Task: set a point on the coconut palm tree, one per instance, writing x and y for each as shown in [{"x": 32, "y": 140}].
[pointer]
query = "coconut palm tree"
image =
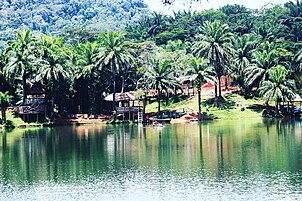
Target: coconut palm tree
[
  {"x": 51, "y": 64},
  {"x": 5, "y": 100},
  {"x": 215, "y": 44},
  {"x": 115, "y": 52},
  {"x": 200, "y": 71},
  {"x": 20, "y": 53},
  {"x": 160, "y": 75},
  {"x": 277, "y": 87},
  {"x": 86, "y": 74}
]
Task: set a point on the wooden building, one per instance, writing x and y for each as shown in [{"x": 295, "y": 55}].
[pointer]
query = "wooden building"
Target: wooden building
[
  {"x": 35, "y": 106},
  {"x": 127, "y": 105}
]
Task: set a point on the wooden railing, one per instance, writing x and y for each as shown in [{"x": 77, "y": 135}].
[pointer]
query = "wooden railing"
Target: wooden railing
[
  {"x": 31, "y": 109},
  {"x": 127, "y": 109}
]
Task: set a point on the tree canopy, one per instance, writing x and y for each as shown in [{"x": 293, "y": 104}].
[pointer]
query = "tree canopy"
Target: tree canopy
[{"x": 79, "y": 68}]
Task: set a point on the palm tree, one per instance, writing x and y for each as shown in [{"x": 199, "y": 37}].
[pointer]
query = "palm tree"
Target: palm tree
[
  {"x": 157, "y": 23},
  {"x": 87, "y": 73},
  {"x": 201, "y": 72},
  {"x": 20, "y": 53},
  {"x": 51, "y": 67},
  {"x": 214, "y": 43},
  {"x": 159, "y": 75},
  {"x": 277, "y": 87},
  {"x": 295, "y": 66},
  {"x": 114, "y": 53},
  {"x": 5, "y": 100},
  {"x": 244, "y": 47},
  {"x": 267, "y": 56},
  {"x": 294, "y": 11}
]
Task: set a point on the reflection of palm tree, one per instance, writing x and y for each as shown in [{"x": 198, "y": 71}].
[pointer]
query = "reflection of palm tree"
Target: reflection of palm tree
[{"x": 201, "y": 147}]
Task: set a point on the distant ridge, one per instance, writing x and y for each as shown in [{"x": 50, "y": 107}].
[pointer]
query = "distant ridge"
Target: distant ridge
[{"x": 57, "y": 16}]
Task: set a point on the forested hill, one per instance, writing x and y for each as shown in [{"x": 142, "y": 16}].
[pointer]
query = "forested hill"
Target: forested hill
[{"x": 57, "y": 16}]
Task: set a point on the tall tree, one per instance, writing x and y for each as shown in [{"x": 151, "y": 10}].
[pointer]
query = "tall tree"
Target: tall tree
[
  {"x": 114, "y": 53},
  {"x": 159, "y": 75},
  {"x": 268, "y": 55},
  {"x": 86, "y": 75},
  {"x": 244, "y": 47},
  {"x": 215, "y": 44},
  {"x": 200, "y": 71},
  {"x": 52, "y": 65},
  {"x": 5, "y": 100},
  {"x": 20, "y": 52},
  {"x": 277, "y": 87}
]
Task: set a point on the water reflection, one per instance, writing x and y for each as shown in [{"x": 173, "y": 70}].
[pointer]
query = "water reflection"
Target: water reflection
[{"x": 219, "y": 152}]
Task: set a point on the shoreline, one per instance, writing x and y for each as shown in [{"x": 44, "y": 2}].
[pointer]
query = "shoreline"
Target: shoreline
[{"x": 81, "y": 123}]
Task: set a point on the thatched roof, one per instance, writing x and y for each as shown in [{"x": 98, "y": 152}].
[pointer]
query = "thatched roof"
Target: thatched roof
[{"x": 126, "y": 96}]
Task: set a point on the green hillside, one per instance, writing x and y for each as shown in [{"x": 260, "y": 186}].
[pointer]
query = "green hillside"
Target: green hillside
[{"x": 58, "y": 16}]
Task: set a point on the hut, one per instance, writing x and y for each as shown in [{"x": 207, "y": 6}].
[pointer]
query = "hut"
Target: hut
[
  {"x": 127, "y": 104},
  {"x": 293, "y": 107},
  {"x": 34, "y": 108}
]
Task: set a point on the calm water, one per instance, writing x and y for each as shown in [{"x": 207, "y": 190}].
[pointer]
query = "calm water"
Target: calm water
[{"x": 224, "y": 160}]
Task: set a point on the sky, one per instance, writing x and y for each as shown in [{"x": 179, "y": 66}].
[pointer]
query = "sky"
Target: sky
[{"x": 156, "y": 5}]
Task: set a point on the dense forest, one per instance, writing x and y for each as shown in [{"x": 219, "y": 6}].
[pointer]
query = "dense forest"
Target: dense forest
[
  {"x": 59, "y": 16},
  {"x": 260, "y": 50}
]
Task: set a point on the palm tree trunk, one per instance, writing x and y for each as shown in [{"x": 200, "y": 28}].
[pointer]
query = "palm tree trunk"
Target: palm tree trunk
[
  {"x": 113, "y": 85},
  {"x": 123, "y": 84},
  {"x": 24, "y": 87},
  {"x": 193, "y": 88},
  {"x": 175, "y": 94},
  {"x": 3, "y": 113},
  {"x": 52, "y": 103},
  {"x": 199, "y": 103},
  {"x": 219, "y": 85},
  {"x": 226, "y": 82},
  {"x": 277, "y": 109},
  {"x": 158, "y": 100}
]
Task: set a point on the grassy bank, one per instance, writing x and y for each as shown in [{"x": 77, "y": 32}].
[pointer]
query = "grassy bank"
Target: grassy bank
[
  {"x": 14, "y": 121},
  {"x": 234, "y": 106}
]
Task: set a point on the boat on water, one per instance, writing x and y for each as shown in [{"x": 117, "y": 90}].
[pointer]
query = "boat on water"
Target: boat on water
[
  {"x": 193, "y": 121},
  {"x": 155, "y": 124}
]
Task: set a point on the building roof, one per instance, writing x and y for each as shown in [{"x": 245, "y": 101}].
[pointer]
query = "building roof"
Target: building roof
[
  {"x": 297, "y": 99},
  {"x": 126, "y": 96}
]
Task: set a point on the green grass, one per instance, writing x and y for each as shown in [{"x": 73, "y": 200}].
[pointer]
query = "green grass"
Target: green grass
[
  {"x": 233, "y": 106},
  {"x": 15, "y": 121}
]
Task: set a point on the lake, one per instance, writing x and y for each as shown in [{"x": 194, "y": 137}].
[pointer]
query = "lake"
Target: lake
[{"x": 257, "y": 159}]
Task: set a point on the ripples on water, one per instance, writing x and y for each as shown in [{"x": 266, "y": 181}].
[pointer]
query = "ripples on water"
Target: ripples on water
[{"x": 153, "y": 185}]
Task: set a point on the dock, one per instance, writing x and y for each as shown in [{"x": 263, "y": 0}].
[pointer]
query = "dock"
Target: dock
[{"x": 161, "y": 121}]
